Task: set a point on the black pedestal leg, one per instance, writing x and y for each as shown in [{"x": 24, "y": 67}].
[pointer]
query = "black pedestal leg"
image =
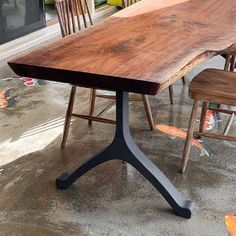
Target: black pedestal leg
[
  {"x": 65, "y": 180},
  {"x": 150, "y": 171},
  {"x": 124, "y": 148}
]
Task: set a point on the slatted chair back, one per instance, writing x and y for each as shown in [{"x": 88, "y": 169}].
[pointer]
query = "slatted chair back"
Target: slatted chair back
[
  {"x": 127, "y": 3},
  {"x": 73, "y": 15}
]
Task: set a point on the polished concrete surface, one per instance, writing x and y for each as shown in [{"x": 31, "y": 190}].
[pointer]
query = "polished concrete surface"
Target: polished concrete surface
[{"x": 113, "y": 199}]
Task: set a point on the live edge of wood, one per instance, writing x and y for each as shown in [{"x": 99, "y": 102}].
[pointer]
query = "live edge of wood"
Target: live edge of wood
[{"x": 142, "y": 49}]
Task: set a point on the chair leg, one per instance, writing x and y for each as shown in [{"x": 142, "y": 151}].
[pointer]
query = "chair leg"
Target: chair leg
[
  {"x": 124, "y": 3},
  {"x": 232, "y": 63},
  {"x": 183, "y": 80},
  {"x": 68, "y": 116},
  {"x": 171, "y": 94},
  {"x": 203, "y": 116},
  {"x": 148, "y": 111},
  {"x": 228, "y": 125},
  {"x": 189, "y": 138},
  {"x": 92, "y": 104},
  {"x": 227, "y": 62}
]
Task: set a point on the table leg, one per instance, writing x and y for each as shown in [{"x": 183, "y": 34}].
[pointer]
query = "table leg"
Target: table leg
[{"x": 124, "y": 148}]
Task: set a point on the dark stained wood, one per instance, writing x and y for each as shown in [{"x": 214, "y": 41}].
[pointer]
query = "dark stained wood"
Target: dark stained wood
[
  {"x": 222, "y": 110},
  {"x": 229, "y": 123},
  {"x": 92, "y": 102},
  {"x": 230, "y": 58},
  {"x": 143, "y": 98},
  {"x": 217, "y": 136},
  {"x": 232, "y": 63},
  {"x": 171, "y": 94},
  {"x": 227, "y": 62},
  {"x": 68, "y": 116},
  {"x": 73, "y": 16},
  {"x": 203, "y": 116},
  {"x": 69, "y": 14},
  {"x": 148, "y": 111},
  {"x": 189, "y": 138},
  {"x": 68, "y": 8},
  {"x": 127, "y": 3},
  {"x": 231, "y": 50},
  {"x": 94, "y": 118},
  {"x": 214, "y": 85},
  {"x": 159, "y": 41}
]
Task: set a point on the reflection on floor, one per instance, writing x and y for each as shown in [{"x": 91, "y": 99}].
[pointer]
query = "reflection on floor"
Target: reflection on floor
[
  {"x": 11, "y": 87},
  {"x": 113, "y": 199}
]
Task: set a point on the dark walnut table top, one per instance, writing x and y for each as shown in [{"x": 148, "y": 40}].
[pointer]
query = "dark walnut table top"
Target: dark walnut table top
[{"x": 142, "y": 49}]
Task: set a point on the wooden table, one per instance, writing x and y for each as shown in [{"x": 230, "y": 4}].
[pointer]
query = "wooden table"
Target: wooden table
[{"x": 142, "y": 49}]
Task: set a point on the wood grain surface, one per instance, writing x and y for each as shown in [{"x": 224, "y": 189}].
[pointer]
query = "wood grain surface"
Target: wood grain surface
[
  {"x": 213, "y": 85},
  {"x": 143, "y": 48}
]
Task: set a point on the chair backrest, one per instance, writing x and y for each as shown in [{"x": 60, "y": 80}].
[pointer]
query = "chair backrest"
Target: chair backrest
[
  {"x": 127, "y": 3},
  {"x": 69, "y": 14}
]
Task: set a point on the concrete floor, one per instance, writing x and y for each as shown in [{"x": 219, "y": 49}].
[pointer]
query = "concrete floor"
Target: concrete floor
[{"x": 113, "y": 199}]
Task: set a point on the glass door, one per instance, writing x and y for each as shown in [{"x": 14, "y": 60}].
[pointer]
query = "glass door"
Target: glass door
[{"x": 19, "y": 17}]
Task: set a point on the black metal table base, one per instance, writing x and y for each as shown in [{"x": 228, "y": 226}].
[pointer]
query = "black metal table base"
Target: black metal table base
[{"x": 124, "y": 148}]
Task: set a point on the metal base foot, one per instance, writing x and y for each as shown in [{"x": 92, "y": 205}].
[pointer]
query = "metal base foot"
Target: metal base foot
[
  {"x": 124, "y": 148},
  {"x": 61, "y": 181}
]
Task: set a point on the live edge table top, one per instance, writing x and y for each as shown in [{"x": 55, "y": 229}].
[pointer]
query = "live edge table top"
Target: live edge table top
[{"x": 143, "y": 48}]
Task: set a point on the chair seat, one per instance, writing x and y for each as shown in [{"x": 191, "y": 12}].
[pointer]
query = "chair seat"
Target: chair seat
[
  {"x": 214, "y": 85},
  {"x": 231, "y": 50}
]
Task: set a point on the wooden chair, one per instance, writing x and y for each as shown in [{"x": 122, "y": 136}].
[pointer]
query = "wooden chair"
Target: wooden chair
[
  {"x": 230, "y": 58},
  {"x": 215, "y": 86},
  {"x": 69, "y": 25},
  {"x": 127, "y": 3}
]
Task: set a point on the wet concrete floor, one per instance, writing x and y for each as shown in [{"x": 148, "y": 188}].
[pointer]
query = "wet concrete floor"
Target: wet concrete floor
[{"x": 113, "y": 199}]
